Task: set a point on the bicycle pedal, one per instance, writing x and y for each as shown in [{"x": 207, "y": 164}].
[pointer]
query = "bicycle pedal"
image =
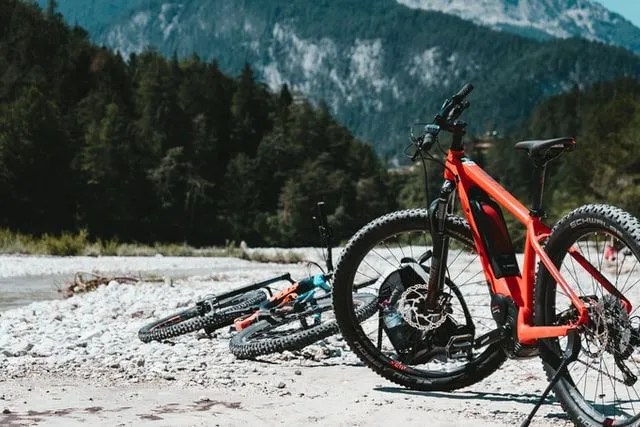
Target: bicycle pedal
[{"x": 460, "y": 346}]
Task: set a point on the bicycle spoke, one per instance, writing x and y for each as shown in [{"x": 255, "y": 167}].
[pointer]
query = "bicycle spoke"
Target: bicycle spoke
[
  {"x": 629, "y": 276},
  {"x": 392, "y": 254},
  {"x": 463, "y": 269},
  {"x": 595, "y": 373}
]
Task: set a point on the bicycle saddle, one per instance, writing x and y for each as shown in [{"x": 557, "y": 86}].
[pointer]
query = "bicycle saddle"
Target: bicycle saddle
[{"x": 542, "y": 151}]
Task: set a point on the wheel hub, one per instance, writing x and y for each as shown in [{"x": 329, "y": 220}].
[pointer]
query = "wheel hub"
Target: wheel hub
[{"x": 610, "y": 328}]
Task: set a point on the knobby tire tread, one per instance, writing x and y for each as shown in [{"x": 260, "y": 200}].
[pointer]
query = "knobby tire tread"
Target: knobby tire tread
[
  {"x": 192, "y": 321},
  {"x": 358, "y": 342},
  {"x": 243, "y": 347},
  {"x": 629, "y": 227}
]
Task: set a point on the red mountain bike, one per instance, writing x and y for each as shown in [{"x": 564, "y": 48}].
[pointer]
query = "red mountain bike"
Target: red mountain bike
[{"x": 455, "y": 300}]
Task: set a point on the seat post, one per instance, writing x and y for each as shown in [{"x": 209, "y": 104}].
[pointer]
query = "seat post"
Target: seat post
[{"x": 538, "y": 187}]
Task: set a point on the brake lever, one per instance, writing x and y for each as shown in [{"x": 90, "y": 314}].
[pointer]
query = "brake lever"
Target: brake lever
[
  {"x": 418, "y": 142},
  {"x": 429, "y": 140},
  {"x": 457, "y": 110},
  {"x": 426, "y": 141},
  {"x": 445, "y": 111}
]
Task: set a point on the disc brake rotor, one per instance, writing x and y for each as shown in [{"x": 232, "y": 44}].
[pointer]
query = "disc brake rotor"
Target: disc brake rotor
[{"x": 412, "y": 306}]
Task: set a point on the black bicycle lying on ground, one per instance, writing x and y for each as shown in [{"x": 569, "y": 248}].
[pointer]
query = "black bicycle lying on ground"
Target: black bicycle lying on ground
[{"x": 267, "y": 322}]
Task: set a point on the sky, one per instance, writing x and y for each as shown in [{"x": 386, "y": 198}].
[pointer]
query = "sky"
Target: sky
[{"x": 630, "y": 9}]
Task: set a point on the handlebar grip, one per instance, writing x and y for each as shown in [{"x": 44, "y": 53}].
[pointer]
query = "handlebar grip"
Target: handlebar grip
[
  {"x": 466, "y": 90},
  {"x": 322, "y": 214}
]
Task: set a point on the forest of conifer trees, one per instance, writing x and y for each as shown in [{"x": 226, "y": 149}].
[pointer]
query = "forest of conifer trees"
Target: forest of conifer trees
[{"x": 155, "y": 149}]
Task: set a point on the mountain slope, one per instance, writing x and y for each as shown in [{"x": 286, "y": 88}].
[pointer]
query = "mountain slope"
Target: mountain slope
[
  {"x": 94, "y": 15},
  {"x": 542, "y": 18},
  {"x": 380, "y": 65}
]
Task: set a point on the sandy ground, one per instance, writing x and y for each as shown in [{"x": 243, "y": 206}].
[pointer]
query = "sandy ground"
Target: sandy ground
[
  {"x": 78, "y": 361},
  {"x": 319, "y": 395}
]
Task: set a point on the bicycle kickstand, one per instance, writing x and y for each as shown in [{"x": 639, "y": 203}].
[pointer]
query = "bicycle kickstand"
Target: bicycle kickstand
[{"x": 570, "y": 355}]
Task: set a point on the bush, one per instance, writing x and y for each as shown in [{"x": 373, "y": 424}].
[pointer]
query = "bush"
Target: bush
[{"x": 65, "y": 245}]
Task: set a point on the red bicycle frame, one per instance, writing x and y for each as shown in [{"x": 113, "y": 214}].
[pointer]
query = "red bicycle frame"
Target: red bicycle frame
[{"x": 468, "y": 175}]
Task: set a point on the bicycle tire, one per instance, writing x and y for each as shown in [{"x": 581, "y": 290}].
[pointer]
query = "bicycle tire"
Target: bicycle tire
[
  {"x": 393, "y": 224},
  {"x": 570, "y": 231},
  {"x": 246, "y": 344},
  {"x": 191, "y": 320}
]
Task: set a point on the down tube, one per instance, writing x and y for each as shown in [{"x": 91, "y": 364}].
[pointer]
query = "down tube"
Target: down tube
[
  {"x": 519, "y": 288},
  {"x": 473, "y": 173}
]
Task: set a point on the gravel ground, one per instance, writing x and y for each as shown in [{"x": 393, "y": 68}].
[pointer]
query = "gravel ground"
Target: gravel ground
[
  {"x": 21, "y": 265},
  {"x": 78, "y": 360}
]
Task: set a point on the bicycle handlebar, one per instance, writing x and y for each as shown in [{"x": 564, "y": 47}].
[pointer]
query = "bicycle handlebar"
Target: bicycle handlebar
[
  {"x": 453, "y": 107},
  {"x": 446, "y": 119},
  {"x": 464, "y": 92}
]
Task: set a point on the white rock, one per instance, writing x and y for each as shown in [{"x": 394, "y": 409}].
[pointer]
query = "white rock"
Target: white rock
[{"x": 90, "y": 335}]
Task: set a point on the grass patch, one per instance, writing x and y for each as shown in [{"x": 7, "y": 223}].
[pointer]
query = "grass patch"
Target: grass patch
[
  {"x": 66, "y": 244},
  {"x": 69, "y": 244},
  {"x": 15, "y": 243}
]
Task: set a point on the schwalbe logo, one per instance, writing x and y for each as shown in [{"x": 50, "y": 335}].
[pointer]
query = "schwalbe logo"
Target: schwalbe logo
[
  {"x": 578, "y": 222},
  {"x": 593, "y": 221}
]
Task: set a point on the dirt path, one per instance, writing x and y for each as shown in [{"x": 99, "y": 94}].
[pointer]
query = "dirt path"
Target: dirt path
[{"x": 320, "y": 395}]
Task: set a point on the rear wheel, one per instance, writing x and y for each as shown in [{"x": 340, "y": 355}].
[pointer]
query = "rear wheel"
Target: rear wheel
[
  {"x": 600, "y": 388},
  {"x": 415, "y": 356},
  {"x": 192, "y": 319},
  {"x": 297, "y": 329}
]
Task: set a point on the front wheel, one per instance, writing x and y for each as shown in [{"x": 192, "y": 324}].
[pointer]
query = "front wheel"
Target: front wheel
[
  {"x": 296, "y": 329},
  {"x": 600, "y": 388},
  {"x": 415, "y": 352},
  {"x": 193, "y": 319}
]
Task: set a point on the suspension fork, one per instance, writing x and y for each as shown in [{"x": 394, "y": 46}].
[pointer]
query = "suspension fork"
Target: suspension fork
[{"x": 438, "y": 212}]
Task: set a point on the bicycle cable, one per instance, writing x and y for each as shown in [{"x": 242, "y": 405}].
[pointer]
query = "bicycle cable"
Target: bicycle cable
[
  {"x": 426, "y": 177},
  {"x": 433, "y": 159}
]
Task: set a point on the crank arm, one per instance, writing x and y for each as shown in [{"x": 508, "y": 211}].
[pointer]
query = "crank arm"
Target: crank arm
[{"x": 491, "y": 337}]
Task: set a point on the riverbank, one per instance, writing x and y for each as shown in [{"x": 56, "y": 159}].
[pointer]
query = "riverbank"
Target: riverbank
[
  {"x": 78, "y": 244},
  {"x": 78, "y": 360}
]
